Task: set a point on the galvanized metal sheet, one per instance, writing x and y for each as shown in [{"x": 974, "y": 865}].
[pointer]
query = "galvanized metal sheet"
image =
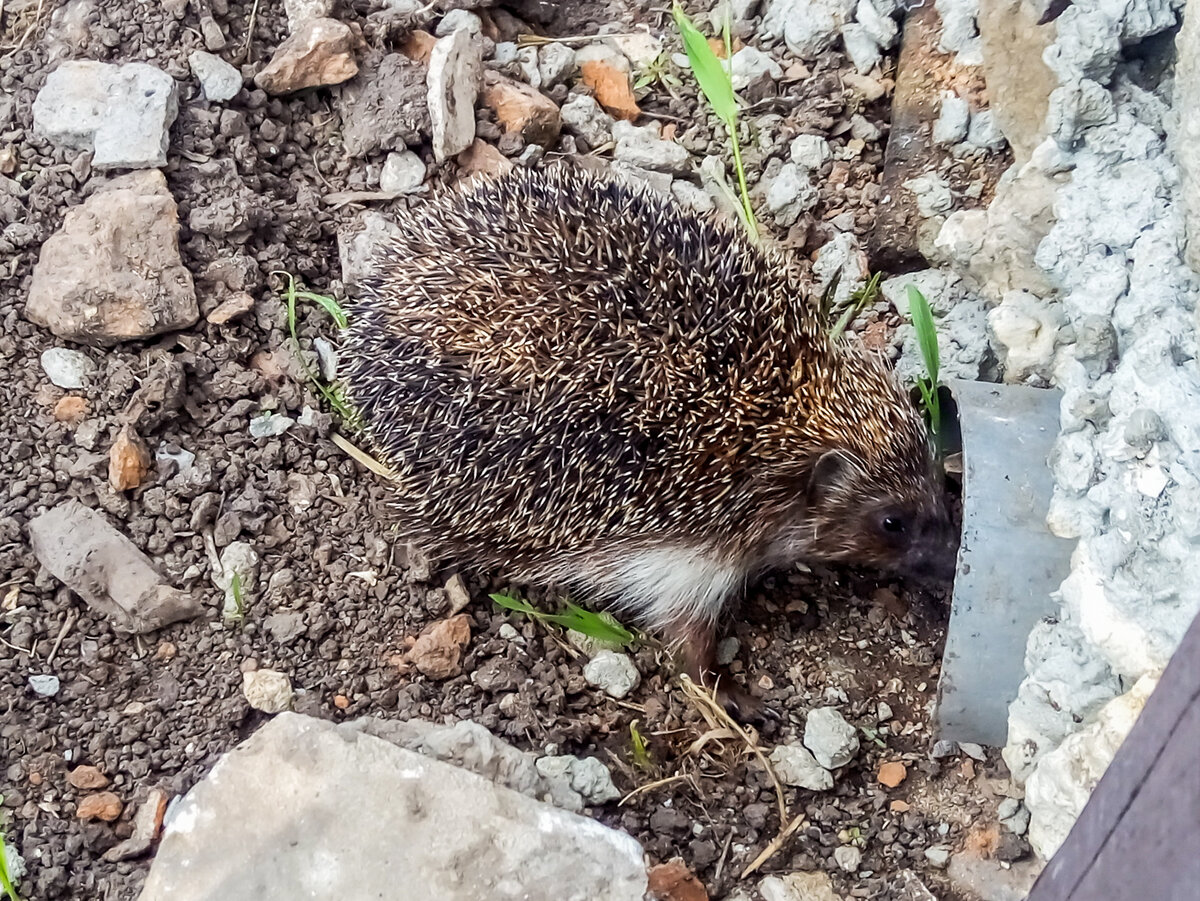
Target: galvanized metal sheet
[{"x": 1009, "y": 563}]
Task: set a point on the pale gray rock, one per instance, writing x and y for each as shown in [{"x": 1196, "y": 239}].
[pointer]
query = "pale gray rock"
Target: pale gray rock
[
  {"x": 81, "y": 549},
  {"x": 301, "y": 11},
  {"x": 795, "y": 765},
  {"x": 455, "y": 72},
  {"x": 556, "y": 63},
  {"x": 267, "y": 690},
  {"x": 641, "y": 147},
  {"x": 45, "y": 686},
  {"x": 984, "y": 132},
  {"x": 357, "y": 243},
  {"x": 808, "y": 27},
  {"x": 790, "y": 193},
  {"x": 123, "y": 114},
  {"x": 864, "y": 53},
  {"x": 219, "y": 80},
  {"x": 832, "y": 740},
  {"x": 586, "y": 775},
  {"x": 809, "y": 152},
  {"x": 456, "y": 19},
  {"x": 584, "y": 116},
  {"x": 691, "y": 196},
  {"x": 750, "y": 65},
  {"x": 802, "y": 886},
  {"x": 847, "y": 857},
  {"x": 67, "y": 368},
  {"x": 331, "y": 802},
  {"x": 954, "y": 118},
  {"x": 612, "y": 673}
]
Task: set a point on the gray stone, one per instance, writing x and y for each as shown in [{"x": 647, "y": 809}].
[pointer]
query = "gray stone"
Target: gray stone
[
  {"x": 1185, "y": 133},
  {"x": 1018, "y": 81},
  {"x": 832, "y": 740},
  {"x": 556, "y": 62},
  {"x": 612, "y": 673},
  {"x": 878, "y": 24},
  {"x": 727, "y": 650},
  {"x": 795, "y": 765},
  {"x": 809, "y": 152},
  {"x": 984, "y": 132},
  {"x": 808, "y": 27},
  {"x": 847, "y": 857},
  {"x": 284, "y": 627},
  {"x": 301, "y": 11},
  {"x": 267, "y": 690},
  {"x": 385, "y": 107},
  {"x": 219, "y": 80},
  {"x": 238, "y": 559},
  {"x": 112, "y": 272},
  {"x": 67, "y": 368},
  {"x": 790, "y": 193},
  {"x": 270, "y": 425},
  {"x": 79, "y": 547},
  {"x": 864, "y": 53},
  {"x": 863, "y": 129},
  {"x": 586, "y": 775},
  {"x": 584, "y": 116},
  {"x": 691, "y": 196},
  {"x": 456, "y": 19},
  {"x": 953, "y": 120},
  {"x": 641, "y": 147},
  {"x": 44, "y": 686},
  {"x": 123, "y": 114},
  {"x": 750, "y": 65},
  {"x": 469, "y": 745},
  {"x": 455, "y": 71},
  {"x": 639, "y": 177},
  {"x": 938, "y": 856},
  {"x": 445, "y": 833}
]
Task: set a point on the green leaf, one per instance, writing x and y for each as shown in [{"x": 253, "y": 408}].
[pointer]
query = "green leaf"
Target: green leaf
[
  {"x": 710, "y": 74},
  {"x": 641, "y": 753},
  {"x": 602, "y": 627},
  {"x": 517, "y": 604},
  {"x": 922, "y": 318}
]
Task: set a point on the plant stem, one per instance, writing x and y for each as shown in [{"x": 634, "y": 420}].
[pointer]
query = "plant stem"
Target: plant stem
[{"x": 748, "y": 211}]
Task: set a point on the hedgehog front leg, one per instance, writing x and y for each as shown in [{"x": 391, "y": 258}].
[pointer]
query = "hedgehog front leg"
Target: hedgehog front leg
[{"x": 697, "y": 641}]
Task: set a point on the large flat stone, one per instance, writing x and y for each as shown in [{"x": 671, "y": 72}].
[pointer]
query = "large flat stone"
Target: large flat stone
[{"x": 306, "y": 808}]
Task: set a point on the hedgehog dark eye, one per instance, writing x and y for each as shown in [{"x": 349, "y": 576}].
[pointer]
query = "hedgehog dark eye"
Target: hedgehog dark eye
[{"x": 893, "y": 524}]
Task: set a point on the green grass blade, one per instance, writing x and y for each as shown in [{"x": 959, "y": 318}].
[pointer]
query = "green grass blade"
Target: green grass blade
[
  {"x": 328, "y": 304},
  {"x": 520, "y": 605},
  {"x": 922, "y": 318},
  {"x": 710, "y": 74}
]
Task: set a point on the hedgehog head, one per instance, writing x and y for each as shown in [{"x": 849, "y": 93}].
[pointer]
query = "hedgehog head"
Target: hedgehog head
[{"x": 871, "y": 493}]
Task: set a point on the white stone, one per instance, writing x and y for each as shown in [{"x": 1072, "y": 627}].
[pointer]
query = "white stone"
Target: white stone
[
  {"x": 984, "y": 131},
  {"x": 960, "y": 30},
  {"x": 863, "y": 128},
  {"x": 270, "y": 425},
  {"x": 320, "y": 788},
  {"x": 587, "y": 776},
  {"x": 123, "y": 114},
  {"x": 219, "y": 80},
  {"x": 934, "y": 198},
  {"x": 403, "y": 173},
  {"x": 798, "y": 887},
  {"x": 267, "y": 690},
  {"x": 864, "y": 53},
  {"x": 808, "y": 27},
  {"x": 612, "y": 673},
  {"x": 1028, "y": 328},
  {"x": 240, "y": 559},
  {"x": 841, "y": 254},
  {"x": 556, "y": 63},
  {"x": 809, "y": 152},
  {"x": 750, "y": 64},
  {"x": 584, "y": 116},
  {"x": 790, "y": 193},
  {"x": 938, "y": 856},
  {"x": 881, "y": 27},
  {"x": 455, "y": 70},
  {"x": 832, "y": 740},
  {"x": 456, "y": 19},
  {"x": 45, "y": 686},
  {"x": 847, "y": 857},
  {"x": 953, "y": 119},
  {"x": 795, "y": 765},
  {"x": 67, "y": 368},
  {"x": 641, "y": 147},
  {"x": 1057, "y": 791},
  {"x": 301, "y": 11},
  {"x": 638, "y": 46}
]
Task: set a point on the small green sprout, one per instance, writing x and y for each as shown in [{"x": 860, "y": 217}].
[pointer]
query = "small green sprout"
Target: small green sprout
[
  {"x": 658, "y": 71},
  {"x": 332, "y": 394},
  {"x": 927, "y": 385},
  {"x": 602, "y": 627},
  {"x": 716, "y": 82},
  {"x": 235, "y": 607},
  {"x": 641, "y": 753}
]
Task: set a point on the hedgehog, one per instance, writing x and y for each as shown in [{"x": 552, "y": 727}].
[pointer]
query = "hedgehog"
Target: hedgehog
[{"x": 576, "y": 382}]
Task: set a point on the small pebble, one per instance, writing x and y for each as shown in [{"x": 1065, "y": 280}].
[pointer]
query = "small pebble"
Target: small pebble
[
  {"x": 972, "y": 750},
  {"x": 938, "y": 856},
  {"x": 270, "y": 425},
  {"x": 832, "y": 740},
  {"x": 67, "y": 368},
  {"x": 403, "y": 173},
  {"x": 267, "y": 690},
  {"x": 944, "y": 748},
  {"x": 612, "y": 673},
  {"x": 727, "y": 650},
  {"x": 848, "y": 858},
  {"x": 46, "y": 686}
]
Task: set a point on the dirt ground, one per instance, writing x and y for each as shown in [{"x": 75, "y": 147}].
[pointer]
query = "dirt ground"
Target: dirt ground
[{"x": 160, "y": 711}]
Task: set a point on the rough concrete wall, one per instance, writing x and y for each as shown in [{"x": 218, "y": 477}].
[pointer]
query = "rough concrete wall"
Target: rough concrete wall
[
  {"x": 1019, "y": 82},
  {"x": 1186, "y": 137}
]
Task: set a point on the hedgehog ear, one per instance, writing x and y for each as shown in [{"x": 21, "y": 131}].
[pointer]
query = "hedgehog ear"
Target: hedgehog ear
[{"x": 831, "y": 469}]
